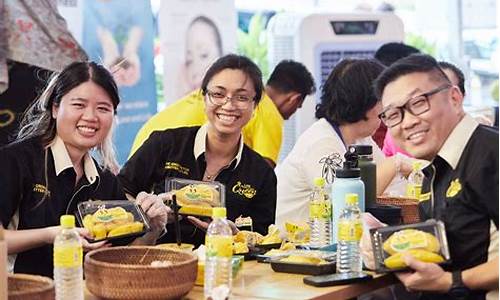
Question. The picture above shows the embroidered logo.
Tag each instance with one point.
(244, 189)
(40, 188)
(330, 163)
(177, 167)
(454, 188)
(424, 197)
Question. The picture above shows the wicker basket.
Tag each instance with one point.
(409, 207)
(126, 273)
(32, 287)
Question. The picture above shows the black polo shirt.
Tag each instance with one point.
(180, 153)
(27, 173)
(461, 189)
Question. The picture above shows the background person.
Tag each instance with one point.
(348, 114)
(215, 151)
(49, 169)
(285, 91)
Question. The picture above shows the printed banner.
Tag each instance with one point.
(193, 33)
(119, 34)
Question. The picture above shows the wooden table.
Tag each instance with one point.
(258, 281)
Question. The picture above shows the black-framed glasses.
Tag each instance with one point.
(417, 105)
(221, 98)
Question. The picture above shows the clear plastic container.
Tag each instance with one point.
(112, 220)
(68, 260)
(196, 198)
(218, 255)
(424, 241)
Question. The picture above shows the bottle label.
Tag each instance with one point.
(413, 190)
(320, 210)
(68, 256)
(350, 231)
(218, 245)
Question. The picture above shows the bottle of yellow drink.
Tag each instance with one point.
(415, 180)
(68, 259)
(320, 215)
(219, 251)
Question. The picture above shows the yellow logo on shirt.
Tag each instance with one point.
(454, 188)
(169, 165)
(424, 197)
(244, 190)
(40, 188)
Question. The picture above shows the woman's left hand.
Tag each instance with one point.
(154, 208)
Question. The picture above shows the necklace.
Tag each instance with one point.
(210, 177)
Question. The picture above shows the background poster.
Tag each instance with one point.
(193, 33)
(118, 29)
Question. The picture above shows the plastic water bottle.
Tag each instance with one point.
(68, 259)
(350, 230)
(219, 250)
(320, 215)
(415, 180)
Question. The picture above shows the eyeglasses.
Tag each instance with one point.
(220, 99)
(417, 105)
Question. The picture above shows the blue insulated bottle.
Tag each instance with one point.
(347, 180)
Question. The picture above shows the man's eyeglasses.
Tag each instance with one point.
(220, 99)
(417, 105)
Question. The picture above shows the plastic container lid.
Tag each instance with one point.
(363, 149)
(67, 221)
(219, 212)
(319, 181)
(351, 198)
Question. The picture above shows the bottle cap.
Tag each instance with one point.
(319, 181)
(362, 149)
(416, 165)
(219, 212)
(351, 198)
(67, 221)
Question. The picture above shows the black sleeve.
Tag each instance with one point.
(145, 167)
(11, 185)
(263, 207)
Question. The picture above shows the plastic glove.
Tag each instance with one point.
(369, 222)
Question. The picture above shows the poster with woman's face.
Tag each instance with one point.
(193, 33)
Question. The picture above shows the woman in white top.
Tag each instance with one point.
(348, 114)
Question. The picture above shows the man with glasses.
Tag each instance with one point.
(285, 91)
(424, 114)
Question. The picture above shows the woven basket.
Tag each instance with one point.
(409, 207)
(126, 273)
(32, 287)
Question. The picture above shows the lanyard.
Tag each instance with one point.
(337, 130)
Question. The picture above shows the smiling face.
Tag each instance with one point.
(84, 117)
(228, 119)
(201, 51)
(423, 136)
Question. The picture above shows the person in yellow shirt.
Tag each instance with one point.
(285, 91)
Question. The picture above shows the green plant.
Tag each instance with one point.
(254, 43)
(420, 43)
